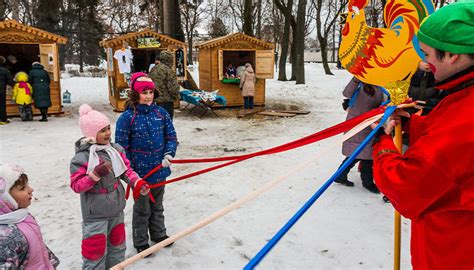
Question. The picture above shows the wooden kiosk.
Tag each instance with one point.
(144, 46)
(29, 44)
(236, 49)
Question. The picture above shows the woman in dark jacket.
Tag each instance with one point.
(39, 80)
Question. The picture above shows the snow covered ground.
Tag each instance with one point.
(347, 228)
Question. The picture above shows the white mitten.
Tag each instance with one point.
(166, 161)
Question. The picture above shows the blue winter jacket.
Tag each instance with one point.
(147, 135)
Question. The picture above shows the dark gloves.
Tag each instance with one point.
(377, 135)
(345, 103)
(103, 168)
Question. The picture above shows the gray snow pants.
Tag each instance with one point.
(148, 217)
(103, 243)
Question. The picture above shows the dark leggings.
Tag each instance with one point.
(248, 102)
(366, 170)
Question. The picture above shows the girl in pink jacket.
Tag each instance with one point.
(21, 243)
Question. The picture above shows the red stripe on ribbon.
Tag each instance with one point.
(324, 134)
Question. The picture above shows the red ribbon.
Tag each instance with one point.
(326, 133)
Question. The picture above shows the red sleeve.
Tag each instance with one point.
(412, 181)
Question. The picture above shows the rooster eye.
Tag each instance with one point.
(352, 15)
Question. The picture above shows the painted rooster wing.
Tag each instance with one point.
(383, 55)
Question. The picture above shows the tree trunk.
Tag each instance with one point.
(248, 19)
(165, 25)
(259, 19)
(3, 7)
(284, 51)
(81, 42)
(14, 4)
(293, 53)
(190, 50)
(324, 56)
(299, 42)
(323, 31)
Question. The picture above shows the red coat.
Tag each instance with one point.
(432, 183)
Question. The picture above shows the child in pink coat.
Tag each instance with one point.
(21, 242)
(97, 169)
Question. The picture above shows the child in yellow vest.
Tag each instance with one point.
(22, 93)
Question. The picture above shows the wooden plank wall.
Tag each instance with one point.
(56, 108)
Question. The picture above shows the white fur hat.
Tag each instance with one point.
(9, 173)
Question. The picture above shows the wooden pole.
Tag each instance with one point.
(397, 219)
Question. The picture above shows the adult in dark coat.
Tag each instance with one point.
(6, 78)
(39, 80)
(367, 98)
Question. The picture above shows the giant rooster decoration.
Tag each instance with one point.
(382, 56)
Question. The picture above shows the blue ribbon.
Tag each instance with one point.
(354, 95)
(261, 254)
(387, 94)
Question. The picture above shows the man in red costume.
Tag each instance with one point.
(432, 183)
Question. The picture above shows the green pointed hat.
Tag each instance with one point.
(450, 28)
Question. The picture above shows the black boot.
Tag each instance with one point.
(342, 179)
(159, 239)
(367, 176)
(371, 187)
(142, 248)
(344, 182)
(44, 115)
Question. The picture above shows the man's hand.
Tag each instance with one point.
(424, 66)
(394, 120)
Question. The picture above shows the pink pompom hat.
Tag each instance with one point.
(91, 121)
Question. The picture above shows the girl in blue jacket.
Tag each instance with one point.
(147, 134)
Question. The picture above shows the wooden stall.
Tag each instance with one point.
(236, 49)
(143, 46)
(29, 44)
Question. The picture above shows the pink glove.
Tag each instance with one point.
(103, 168)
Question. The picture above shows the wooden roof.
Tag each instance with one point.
(231, 37)
(30, 30)
(134, 35)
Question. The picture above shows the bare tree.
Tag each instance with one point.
(220, 18)
(332, 9)
(15, 7)
(237, 11)
(3, 9)
(191, 12)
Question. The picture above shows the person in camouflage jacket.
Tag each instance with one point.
(165, 81)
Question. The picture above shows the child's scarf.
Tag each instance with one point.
(118, 165)
(26, 87)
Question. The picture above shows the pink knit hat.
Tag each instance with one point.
(141, 82)
(91, 121)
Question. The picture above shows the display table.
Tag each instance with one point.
(203, 100)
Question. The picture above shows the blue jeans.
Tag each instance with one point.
(248, 102)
